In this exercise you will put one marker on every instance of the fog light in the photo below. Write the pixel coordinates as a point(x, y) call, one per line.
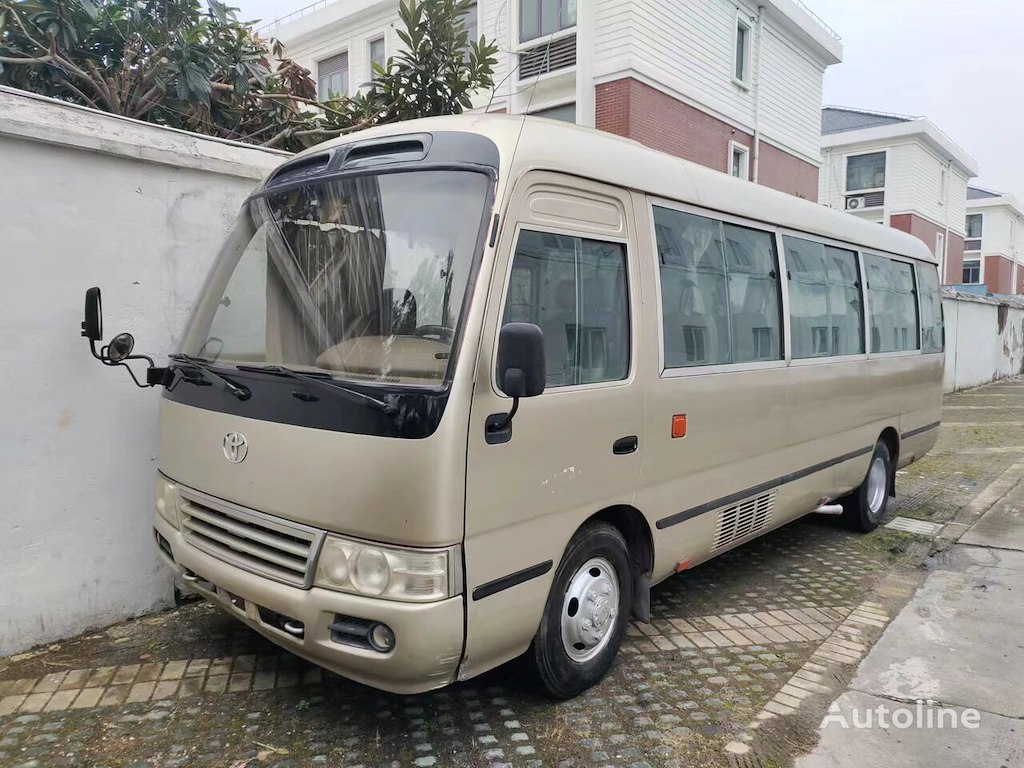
point(382, 638)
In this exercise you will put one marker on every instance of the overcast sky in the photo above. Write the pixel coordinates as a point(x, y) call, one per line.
point(958, 62)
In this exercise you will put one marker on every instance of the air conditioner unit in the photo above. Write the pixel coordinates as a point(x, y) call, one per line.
point(855, 203)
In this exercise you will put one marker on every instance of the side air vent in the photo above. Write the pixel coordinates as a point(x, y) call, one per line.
point(743, 519)
point(548, 57)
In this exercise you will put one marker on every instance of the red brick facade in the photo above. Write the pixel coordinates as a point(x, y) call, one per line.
point(927, 233)
point(637, 111)
point(998, 274)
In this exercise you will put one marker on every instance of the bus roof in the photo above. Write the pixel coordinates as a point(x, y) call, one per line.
point(527, 143)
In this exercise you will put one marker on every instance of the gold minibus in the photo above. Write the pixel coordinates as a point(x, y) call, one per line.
point(466, 388)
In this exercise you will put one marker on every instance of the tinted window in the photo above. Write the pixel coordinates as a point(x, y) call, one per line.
point(827, 317)
point(575, 290)
point(932, 328)
point(892, 304)
point(719, 291)
point(865, 171)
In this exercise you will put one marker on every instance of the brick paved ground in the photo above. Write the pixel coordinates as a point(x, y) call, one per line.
point(736, 667)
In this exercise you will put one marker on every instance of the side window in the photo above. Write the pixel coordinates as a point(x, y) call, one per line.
point(892, 304)
point(827, 317)
point(575, 289)
point(719, 291)
point(932, 328)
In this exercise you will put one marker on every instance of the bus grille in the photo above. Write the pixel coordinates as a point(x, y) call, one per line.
point(743, 519)
point(250, 540)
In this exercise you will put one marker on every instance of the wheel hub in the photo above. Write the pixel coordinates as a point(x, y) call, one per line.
point(590, 609)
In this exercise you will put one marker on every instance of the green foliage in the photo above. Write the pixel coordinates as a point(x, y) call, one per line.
point(195, 67)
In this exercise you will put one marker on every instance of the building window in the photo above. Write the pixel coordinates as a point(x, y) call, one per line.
point(545, 17)
point(720, 299)
point(972, 272)
point(575, 289)
point(564, 112)
point(332, 77)
point(865, 172)
point(739, 161)
point(377, 55)
point(973, 228)
point(741, 64)
point(470, 18)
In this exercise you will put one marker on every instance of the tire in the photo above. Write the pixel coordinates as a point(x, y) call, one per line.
point(592, 590)
point(864, 509)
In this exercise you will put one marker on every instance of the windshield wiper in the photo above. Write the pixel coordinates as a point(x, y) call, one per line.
point(321, 380)
point(186, 361)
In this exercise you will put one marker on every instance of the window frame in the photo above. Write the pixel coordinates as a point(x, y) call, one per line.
point(633, 322)
point(866, 190)
point(912, 263)
point(735, 146)
point(717, 368)
point(979, 238)
point(964, 266)
point(742, 21)
point(865, 317)
point(522, 45)
point(942, 310)
point(347, 51)
point(382, 39)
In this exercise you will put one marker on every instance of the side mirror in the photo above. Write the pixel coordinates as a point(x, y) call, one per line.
point(120, 347)
point(92, 326)
point(522, 371)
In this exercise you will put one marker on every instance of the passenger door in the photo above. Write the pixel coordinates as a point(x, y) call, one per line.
point(566, 263)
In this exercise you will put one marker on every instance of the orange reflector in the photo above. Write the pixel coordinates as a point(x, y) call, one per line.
point(682, 566)
point(679, 425)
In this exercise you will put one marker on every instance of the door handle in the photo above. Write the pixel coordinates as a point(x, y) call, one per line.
point(625, 445)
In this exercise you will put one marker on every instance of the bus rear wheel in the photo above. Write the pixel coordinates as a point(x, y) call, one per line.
point(586, 612)
point(864, 509)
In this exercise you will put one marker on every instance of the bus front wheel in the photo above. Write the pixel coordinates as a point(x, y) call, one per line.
point(864, 509)
point(586, 612)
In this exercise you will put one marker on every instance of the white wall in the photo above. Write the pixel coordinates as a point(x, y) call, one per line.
point(1002, 229)
point(977, 349)
point(91, 199)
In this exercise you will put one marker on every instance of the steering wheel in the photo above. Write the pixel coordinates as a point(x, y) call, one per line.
point(440, 332)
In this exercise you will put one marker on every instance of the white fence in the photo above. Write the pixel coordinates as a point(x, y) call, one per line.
point(984, 339)
point(91, 199)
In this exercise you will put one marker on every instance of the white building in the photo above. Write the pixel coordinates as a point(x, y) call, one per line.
point(901, 171)
point(732, 84)
point(994, 246)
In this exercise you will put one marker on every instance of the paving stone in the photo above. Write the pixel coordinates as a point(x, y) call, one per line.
point(140, 692)
point(126, 674)
point(75, 679)
point(61, 700)
point(87, 697)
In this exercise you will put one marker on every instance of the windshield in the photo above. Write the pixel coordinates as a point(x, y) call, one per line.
point(361, 277)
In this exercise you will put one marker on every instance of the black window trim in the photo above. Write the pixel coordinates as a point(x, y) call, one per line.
point(633, 321)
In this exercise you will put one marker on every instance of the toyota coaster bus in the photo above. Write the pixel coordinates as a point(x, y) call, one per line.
point(463, 389)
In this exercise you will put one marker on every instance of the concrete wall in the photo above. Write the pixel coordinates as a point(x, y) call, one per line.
point(984, 340)
point(91, 199)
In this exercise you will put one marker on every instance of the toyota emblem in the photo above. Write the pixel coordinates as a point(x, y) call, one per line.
point(235, 447)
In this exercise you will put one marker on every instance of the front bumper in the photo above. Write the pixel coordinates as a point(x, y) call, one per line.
point(428, 636)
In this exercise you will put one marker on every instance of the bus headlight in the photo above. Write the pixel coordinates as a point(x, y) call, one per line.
point(166, 500)
point(389, 572)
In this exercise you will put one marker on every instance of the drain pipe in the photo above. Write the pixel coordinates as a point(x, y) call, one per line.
point(945, 238)
point(756, 149)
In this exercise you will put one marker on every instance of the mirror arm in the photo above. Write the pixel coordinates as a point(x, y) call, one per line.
point(503, 425)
